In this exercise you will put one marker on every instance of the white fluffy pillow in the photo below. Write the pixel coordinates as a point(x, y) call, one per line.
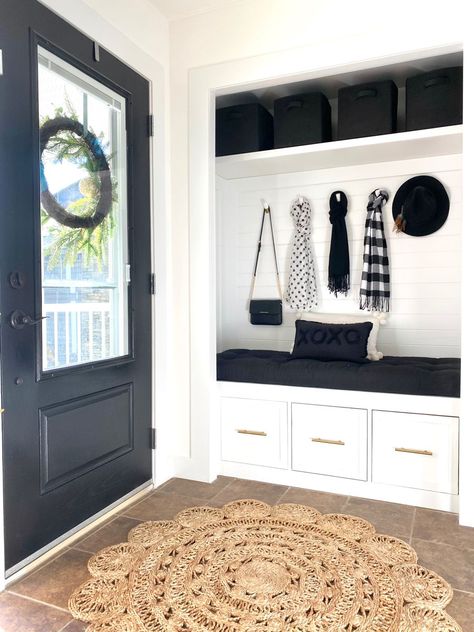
point(376, 318)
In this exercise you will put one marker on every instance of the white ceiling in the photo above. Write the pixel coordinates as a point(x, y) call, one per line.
point(176, 9)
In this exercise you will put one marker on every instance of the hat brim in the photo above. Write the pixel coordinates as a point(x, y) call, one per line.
point(442, 205)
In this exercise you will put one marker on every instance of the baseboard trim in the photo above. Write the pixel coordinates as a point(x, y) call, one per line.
point(56, 547)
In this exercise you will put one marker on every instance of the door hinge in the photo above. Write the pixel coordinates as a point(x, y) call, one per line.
point(152, 283)
point(150, 122)
point(96, 51)
point(153, 438)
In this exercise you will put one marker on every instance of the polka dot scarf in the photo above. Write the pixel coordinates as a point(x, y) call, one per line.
point(301, 293)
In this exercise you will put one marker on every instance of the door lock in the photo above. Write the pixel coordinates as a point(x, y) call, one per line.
point(17, 280)
point(18, 319)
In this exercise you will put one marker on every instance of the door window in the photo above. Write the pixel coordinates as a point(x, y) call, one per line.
point(85, 270)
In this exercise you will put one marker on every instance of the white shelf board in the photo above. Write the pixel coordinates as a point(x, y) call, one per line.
point(440, 141)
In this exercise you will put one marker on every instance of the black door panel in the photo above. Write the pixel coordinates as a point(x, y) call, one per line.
point(76, 387)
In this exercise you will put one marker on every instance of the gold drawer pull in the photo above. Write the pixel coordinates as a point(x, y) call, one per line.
point(257, 433)
point(330, 441)
point(410, 451)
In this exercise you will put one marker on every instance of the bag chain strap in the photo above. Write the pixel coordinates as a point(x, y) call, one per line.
point(259, 247)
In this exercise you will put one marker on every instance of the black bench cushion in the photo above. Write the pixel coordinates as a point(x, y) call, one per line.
point(404, 375)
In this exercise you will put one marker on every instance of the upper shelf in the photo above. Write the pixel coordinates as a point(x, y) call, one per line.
point(440, 141)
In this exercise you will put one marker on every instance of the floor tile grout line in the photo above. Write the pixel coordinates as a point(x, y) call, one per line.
point(43, 603)
point(163, 490)
point(67, 625)
point(221, 490)
point(134, 506)
point(197, 502)
point(41, 567)
point(216, 499)
point(346, 503)
point(84, 550)
point(448, 544)
point(93, 532)
point(159, 490)
point(412, 529)
point(76, 546)
point(466, 592)
point(284, 494)
point(277, 502)
point(343, 507)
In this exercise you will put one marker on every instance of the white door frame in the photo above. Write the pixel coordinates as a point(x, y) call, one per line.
point(205, 84)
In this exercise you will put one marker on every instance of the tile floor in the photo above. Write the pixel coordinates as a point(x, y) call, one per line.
point(38, 603)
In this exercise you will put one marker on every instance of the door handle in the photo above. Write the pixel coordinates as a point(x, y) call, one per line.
point(18, 319)
point(330, 441)
point(257, 433)
point(413, 451)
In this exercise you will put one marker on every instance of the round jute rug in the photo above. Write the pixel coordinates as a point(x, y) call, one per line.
point(250, 567)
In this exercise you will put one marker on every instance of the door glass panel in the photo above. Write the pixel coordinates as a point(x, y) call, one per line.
point(84, 249)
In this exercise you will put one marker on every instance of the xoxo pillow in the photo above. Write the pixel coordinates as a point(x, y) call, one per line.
point(331, 341)
point(376, 318)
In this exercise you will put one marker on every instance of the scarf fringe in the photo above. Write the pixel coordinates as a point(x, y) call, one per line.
point(339, 284)
point(375, 303)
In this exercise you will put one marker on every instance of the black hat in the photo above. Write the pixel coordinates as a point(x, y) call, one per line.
point(420, 206)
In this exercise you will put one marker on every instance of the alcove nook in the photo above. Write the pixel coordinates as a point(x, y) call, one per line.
point(399, 446)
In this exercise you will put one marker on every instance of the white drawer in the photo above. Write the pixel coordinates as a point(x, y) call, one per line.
point(254, 431)
point(329, 440)
point(413, 450)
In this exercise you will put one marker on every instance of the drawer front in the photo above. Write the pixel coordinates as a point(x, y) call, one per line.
point(254, 432)
point(413, 450)
point(329, 440)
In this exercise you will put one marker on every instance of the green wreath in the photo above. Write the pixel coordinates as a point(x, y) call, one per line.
point(51, 129)
point(89, 228)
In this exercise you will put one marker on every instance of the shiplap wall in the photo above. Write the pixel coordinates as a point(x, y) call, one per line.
point(424, 319)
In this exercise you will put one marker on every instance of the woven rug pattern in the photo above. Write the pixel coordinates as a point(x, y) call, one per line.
point(250, 567)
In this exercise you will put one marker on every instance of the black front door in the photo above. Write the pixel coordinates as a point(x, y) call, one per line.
point(74, 276)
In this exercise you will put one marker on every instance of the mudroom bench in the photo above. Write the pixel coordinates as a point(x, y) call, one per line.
point(387, 430)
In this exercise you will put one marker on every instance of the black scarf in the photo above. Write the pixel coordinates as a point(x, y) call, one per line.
point(339, 266)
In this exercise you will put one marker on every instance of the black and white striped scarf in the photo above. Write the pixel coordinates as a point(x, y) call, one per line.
point(375, 282)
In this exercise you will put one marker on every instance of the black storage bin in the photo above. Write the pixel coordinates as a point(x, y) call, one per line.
point(243, 128)
point(368, 109)
point(434, 99)
point(302, 119)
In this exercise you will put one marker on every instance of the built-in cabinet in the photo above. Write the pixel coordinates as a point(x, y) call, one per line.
point(384, 453)
point(329, 440)
point(412, 450)
point(389, 447)
point(254, 432)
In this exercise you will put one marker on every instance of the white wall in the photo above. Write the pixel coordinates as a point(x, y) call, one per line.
point(140, 21)
point(120, 26)
point(250, 33)
point(425, 272)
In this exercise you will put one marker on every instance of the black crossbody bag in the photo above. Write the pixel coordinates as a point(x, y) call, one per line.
point(266, 311)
